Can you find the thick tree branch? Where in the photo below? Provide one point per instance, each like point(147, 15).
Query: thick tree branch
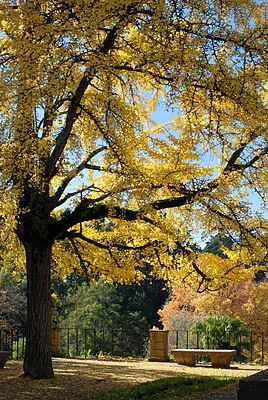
point(88, 210)
point(71, 117)
point(254, 159)
point(75, 102)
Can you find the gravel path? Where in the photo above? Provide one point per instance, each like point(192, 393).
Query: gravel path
point(75, 378)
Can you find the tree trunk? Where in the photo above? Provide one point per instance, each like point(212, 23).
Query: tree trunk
point(37, 361)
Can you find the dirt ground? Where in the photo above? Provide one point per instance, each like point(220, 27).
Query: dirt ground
point(75, 378)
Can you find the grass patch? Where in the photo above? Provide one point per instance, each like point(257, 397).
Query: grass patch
point(166, 389)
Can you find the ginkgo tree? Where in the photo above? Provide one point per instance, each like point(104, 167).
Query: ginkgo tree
point(89, 181)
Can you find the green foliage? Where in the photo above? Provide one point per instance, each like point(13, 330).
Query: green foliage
point(92, 306)
point(167, 389)
point(18, 348)
point(100, 312)
point(98, 319)
point(215, 243)
point(218, 332)
point(140, 301)
point(100, 306)
point(147, 298)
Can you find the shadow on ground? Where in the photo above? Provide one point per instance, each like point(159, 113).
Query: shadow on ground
point(75, 378)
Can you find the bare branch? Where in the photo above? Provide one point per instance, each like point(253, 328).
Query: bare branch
point(81, 260)
point(73, 194)
point(234, 219)
point(72, 174)
point(91, 200)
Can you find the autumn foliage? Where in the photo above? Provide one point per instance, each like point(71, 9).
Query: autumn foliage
point(89, 181)
point(245, 300)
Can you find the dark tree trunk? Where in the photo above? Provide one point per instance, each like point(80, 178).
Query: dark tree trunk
point(37, 361)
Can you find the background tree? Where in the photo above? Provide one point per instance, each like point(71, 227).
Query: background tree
point(244, 299)
point(97, 306)
point(79, 80)
point(12, 300)
point(141, 302)
point(215, 244)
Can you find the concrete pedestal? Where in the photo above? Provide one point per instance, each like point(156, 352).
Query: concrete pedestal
point(158, 345)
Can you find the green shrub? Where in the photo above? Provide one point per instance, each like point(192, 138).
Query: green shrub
point(221, 332)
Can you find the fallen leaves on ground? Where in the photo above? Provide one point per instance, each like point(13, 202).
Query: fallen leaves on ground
point(75, 378)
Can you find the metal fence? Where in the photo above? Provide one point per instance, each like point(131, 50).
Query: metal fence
point(250, 347)
point(116, 342)
point(77, 342)
point(13, 340)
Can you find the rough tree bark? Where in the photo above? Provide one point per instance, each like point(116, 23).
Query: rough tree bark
point(37, 361)
point(34, 233)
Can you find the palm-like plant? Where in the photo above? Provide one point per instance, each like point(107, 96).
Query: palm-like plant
point(221, 332)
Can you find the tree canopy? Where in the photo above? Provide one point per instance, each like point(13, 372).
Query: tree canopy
point(85, 170)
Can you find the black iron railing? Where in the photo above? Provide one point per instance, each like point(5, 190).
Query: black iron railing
point(250, 347)
point(85, 342)
point(117, 342)
point(81, 342)
point(13, 340)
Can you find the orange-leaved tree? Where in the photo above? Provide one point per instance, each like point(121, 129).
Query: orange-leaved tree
point(89, 181)
point(245, 299)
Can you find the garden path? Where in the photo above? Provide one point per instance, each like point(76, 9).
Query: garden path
point(75, 378)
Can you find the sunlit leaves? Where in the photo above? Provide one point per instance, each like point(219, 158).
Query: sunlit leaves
point(79, 82)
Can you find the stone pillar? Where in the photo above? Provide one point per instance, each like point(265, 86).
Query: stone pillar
point(158, 345)
point(55, 342)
